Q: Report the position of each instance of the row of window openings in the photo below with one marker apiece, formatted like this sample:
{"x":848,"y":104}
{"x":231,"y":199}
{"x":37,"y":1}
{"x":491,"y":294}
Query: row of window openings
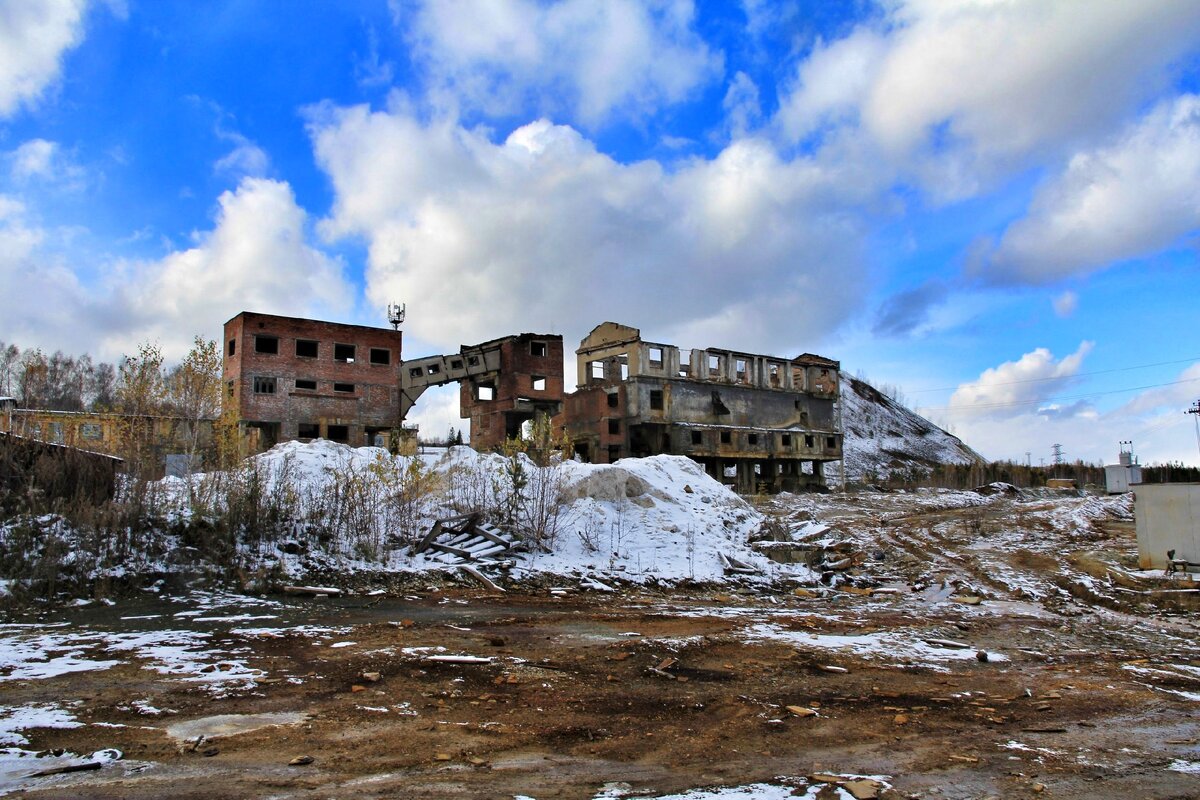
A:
{"x":785,"y":440}
{"x":270,"y":385}
{"x":307,"y":348}
{"x":487,"y":391}
{"x":715,"y":368}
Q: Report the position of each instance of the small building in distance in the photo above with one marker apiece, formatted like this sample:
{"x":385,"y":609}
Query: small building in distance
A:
{"x":291,"y":378}
{"x":759,"y":423}
{"x":1125,"y":474}
{"x":527,"y":382}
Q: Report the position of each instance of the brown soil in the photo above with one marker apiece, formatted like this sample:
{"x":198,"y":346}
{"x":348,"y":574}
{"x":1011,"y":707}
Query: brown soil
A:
{"x":1095,"y":699}
{"x":584,"y":707}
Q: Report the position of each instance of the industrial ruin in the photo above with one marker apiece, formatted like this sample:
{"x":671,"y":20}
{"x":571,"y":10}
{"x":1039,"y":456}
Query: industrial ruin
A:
{"x":760,"y":423}
{"x":756,"y":422}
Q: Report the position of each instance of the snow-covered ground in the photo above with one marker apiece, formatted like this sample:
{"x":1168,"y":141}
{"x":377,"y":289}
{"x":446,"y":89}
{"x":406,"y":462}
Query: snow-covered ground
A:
{"x":660,"y":518}
{"x":882,"y":436}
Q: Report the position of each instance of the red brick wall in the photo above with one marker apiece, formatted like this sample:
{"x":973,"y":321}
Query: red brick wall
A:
{"x":517,"y":367}
{"x":374,"y":401}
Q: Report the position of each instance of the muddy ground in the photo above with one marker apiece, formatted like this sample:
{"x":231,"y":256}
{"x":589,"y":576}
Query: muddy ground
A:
{"x":652,"y":692}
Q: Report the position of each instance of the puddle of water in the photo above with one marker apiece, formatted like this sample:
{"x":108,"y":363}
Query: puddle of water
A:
{"x":231,"y":724}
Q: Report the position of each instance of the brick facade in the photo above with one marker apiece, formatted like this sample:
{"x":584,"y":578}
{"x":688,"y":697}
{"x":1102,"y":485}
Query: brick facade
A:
{"x":291,"y":378}
{"x":529,"y":382}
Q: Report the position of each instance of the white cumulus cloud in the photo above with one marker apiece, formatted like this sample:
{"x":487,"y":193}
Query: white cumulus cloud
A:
{"x":482,"y":238}
{"x":975,"y":83}
{"x":1010,"y":388}
{"x":256,"y":257}
{"x":1131,"y":197}
{"x":591,"y":59}
{"x":34,"y":34}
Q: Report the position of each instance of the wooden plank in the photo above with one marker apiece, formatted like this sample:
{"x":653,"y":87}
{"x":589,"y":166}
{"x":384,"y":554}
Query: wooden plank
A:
{"x":479,"y":576}
{"x":494,"y":534}
{"x":434,"y":532}
{"x":454,"y":551}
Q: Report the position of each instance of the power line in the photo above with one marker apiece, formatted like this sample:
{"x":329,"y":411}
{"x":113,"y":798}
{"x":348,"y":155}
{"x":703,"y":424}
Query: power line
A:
{"x":1060,"y":377}
{"x":1015,"y":403}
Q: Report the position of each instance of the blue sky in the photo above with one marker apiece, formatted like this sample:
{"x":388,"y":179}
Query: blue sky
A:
{"x":992,"y":206}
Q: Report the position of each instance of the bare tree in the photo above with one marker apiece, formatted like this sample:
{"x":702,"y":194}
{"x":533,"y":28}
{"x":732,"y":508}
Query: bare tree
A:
{"x":10,"y":360}
{"x":194,"y":389}
{"x":102,"y":388}
{"x":31,"y":381}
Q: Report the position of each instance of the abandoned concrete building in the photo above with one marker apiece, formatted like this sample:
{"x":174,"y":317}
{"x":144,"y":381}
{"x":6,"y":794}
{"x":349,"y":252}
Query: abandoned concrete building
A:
{"x":756,"y":422}
{"x":291,"y":378}
{"x":759,"y":423}
{"x":504,"y":383}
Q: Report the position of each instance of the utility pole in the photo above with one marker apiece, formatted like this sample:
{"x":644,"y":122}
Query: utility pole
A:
{"x":1057,"y":450}
{"x":1195,"y":411}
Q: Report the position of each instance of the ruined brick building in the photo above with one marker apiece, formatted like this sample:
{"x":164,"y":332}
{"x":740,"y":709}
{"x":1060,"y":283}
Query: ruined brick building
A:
{"x":291,"y":378}
{"x":760,"y":423}
{"x":757,"y":422}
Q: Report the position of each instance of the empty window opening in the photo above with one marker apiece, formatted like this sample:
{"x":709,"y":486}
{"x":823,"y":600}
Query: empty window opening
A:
{"x":613,"y":399}
{"x":726,"y":437}
{"x":806,"y":468}
{"x":433,"y":369}
{"x":596,"y":370}
{"x":786,"y":440}
{"x":656,"y":357}
{"x":344,"y":387}
{"x":614,"y":426}
{"x":339,"y":433}
{"x":268,"y":345}
{"x":614,"y":453}
{"x":752,"y":438}
{"x":538,"y":382}
{"x":343,"y":352}
{"x":773,"y":375}
{"x":714,"y":366}
{"x":305,"y":383}
{"x":810,"y":441}
{"x":623,"y":360}
{"x":758,"y":469}
{"x":537,"y":349}
{"x":264,"y":385}
{"x":308,"y":430}
{"x":229,"y":388}
{"x":414,"y":372}
{"x":473,"y":361}
{"x":740,"y":365}
{"x":656,"y":400}
{"x":485,"y":391}
{"x":381,"y":355}
{"x":730,"y":472}
{"x":685,"y":363}
{"x":456,"y":364}
{"x":232,"y":346}
{"x":831,"y":442}
{"x":306,"y":348}
{"x":697,"y":437}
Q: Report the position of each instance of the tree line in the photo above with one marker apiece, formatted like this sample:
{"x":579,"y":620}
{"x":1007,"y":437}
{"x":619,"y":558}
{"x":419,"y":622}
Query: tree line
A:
{"x":141,"y":383}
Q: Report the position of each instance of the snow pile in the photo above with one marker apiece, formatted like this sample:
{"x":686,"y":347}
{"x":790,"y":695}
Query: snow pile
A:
{"x":882,"y":436}
{"x":657,"y":518}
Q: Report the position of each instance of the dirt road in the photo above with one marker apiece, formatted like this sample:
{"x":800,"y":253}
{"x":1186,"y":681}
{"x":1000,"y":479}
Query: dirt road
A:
{"x":453,"y":692}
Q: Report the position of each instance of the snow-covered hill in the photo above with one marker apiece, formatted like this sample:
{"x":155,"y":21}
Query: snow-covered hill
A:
{"x":882,"y":436}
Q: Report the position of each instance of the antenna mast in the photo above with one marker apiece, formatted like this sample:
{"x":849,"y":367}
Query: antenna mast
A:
{"x":395,"y":315}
